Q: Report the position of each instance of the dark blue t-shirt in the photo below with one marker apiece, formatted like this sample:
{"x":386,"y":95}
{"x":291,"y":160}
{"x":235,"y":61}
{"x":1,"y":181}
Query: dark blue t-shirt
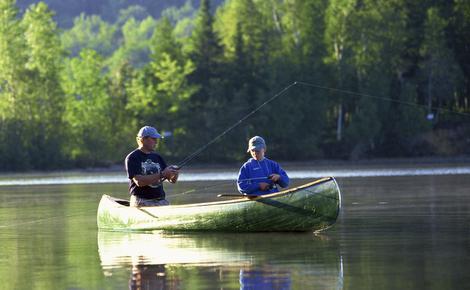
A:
{"x":140,"y":163}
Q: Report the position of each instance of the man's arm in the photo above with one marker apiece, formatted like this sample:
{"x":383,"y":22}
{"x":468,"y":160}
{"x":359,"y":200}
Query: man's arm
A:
{"x":167,"y":173}
{"x":280,"y":177}
{"x":244,"y":183}
{"x":144,"y":180}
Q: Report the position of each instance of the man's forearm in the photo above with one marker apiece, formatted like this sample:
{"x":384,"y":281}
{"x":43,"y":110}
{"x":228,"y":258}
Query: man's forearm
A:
{"x":144,"y":180}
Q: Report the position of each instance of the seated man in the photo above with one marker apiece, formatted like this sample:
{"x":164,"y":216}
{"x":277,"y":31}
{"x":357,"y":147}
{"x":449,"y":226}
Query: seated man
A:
{"x":147,"y":170}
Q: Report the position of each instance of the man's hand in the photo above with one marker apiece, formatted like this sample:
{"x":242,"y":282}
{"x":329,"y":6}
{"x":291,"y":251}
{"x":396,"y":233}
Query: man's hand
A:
{"x":174,"y":177}
{"x":171,"y":173}
{"x":263,"y":186}
{"x":274,"y":177}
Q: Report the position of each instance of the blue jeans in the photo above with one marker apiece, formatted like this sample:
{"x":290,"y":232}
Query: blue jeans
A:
{"x":138,"y":201}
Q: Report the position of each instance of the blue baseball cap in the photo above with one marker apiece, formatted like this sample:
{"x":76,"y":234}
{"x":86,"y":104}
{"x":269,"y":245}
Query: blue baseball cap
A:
{"x":148,"y":131}
{"x":256,"y":143}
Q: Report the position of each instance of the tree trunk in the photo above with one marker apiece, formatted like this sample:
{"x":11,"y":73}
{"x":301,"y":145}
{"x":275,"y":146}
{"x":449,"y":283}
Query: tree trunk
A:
{"x":339,"y":125}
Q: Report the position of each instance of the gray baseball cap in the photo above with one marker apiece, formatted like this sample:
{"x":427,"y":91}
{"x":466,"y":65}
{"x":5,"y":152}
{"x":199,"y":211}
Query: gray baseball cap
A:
{"x":256,"y":143}
{"x":148,"y":131}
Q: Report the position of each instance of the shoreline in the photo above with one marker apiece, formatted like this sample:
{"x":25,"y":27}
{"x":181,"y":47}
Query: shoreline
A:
{"x":314,"y":164}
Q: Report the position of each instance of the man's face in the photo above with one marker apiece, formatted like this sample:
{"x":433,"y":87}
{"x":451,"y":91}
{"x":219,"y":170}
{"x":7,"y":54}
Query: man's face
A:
{"x":257,"y":154}
{"x":149,"y":143}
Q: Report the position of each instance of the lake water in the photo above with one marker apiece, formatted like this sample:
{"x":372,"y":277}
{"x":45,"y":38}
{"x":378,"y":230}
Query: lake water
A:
{"x":401,"y":227}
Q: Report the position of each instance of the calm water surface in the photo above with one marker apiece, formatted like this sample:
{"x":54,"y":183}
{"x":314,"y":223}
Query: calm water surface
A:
{"x":400,"y":228}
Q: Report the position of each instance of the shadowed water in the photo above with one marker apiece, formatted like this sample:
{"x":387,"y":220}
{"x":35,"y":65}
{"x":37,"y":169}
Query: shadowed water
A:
{"x":406,"y":229}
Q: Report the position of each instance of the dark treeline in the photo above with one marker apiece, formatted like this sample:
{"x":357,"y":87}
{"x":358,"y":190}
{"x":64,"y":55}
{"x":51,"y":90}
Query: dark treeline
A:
{"x":76,"y":97}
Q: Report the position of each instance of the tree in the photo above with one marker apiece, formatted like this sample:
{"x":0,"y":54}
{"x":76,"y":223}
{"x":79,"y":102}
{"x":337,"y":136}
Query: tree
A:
{"x":30,"y":94}
{"x":295,"y":31}
{"x":205,"y":53}
{"x":90,"y":32}
{"x":121,"y":119}
{"x":13,"y":57}
{"x":86,"y":113}
{"x":440,"y":71}
{"x":135,"y":43}
{"x":245,"y":37}
{"x":12,"y":73}
{"x":44,"y":95}
{"x":457,"y":35}
{"x":164,"y":42}
{"x":136,"y":12}
{"x":160,"y":90}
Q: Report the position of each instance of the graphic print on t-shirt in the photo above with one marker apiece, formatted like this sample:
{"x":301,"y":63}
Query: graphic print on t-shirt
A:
{"x":150,"y":167}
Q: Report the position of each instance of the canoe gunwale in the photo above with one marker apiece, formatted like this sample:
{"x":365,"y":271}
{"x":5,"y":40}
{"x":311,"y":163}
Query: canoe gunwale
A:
{"x":242,"y":198}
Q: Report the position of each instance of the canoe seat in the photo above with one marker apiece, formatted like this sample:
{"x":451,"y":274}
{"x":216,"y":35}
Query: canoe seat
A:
{"x":122,"y":202}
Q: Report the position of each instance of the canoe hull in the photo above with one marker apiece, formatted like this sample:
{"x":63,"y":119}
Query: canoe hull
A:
{"x":314,"y":206}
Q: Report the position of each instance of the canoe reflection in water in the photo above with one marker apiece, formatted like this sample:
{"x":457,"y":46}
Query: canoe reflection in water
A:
{"x":215,"y":260}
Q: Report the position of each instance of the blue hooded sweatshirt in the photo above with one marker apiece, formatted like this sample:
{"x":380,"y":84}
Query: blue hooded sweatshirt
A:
{"x":253,"y":172}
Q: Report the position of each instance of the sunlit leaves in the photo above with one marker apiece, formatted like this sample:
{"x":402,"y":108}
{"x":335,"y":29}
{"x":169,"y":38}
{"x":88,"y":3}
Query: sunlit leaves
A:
{"x":88,"y":129}
{"x":173,"y":84}
{"x":89,"y":32}
{"x":135,"y":43}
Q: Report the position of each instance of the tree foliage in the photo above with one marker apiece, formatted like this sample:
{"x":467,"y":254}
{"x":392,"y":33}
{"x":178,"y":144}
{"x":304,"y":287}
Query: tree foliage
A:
{"x":77,"y":97}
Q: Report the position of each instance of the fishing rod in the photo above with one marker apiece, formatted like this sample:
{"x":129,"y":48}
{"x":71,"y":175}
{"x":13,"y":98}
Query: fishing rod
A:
{"x":193,"y":155}
{"x":202,"y":148}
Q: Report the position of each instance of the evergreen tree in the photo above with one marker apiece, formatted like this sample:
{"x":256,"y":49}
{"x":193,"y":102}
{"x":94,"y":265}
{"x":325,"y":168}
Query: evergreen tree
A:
{"x":205,"y":53}
{"x":164,"y":42}
{"x":244,"y":35}
{"x":297,"y":56}
{"x":160,"y":90}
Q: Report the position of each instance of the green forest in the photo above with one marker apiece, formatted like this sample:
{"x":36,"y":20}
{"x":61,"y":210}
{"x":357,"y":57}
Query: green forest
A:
{"x":386,"y":78}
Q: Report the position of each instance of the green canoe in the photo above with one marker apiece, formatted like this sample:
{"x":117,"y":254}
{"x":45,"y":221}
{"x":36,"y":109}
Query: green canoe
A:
{"x":310,"y":207}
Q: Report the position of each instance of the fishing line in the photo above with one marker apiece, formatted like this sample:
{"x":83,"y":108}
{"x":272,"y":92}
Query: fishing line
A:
{"x":193,"y":155}
{"x":383,"y":98}
{"x":202,"y":148}
{"x":201,"y":188}
{"x":216,"y":185}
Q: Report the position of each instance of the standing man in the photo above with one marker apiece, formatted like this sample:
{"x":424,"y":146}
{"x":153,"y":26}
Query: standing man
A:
{"x":147,"y":170}
{"x":259,"y":175}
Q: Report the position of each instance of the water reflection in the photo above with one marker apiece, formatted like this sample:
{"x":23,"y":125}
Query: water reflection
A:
{"x":149,"y":277}
{"x":232,"y":261}
{"x":264,"y":278}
